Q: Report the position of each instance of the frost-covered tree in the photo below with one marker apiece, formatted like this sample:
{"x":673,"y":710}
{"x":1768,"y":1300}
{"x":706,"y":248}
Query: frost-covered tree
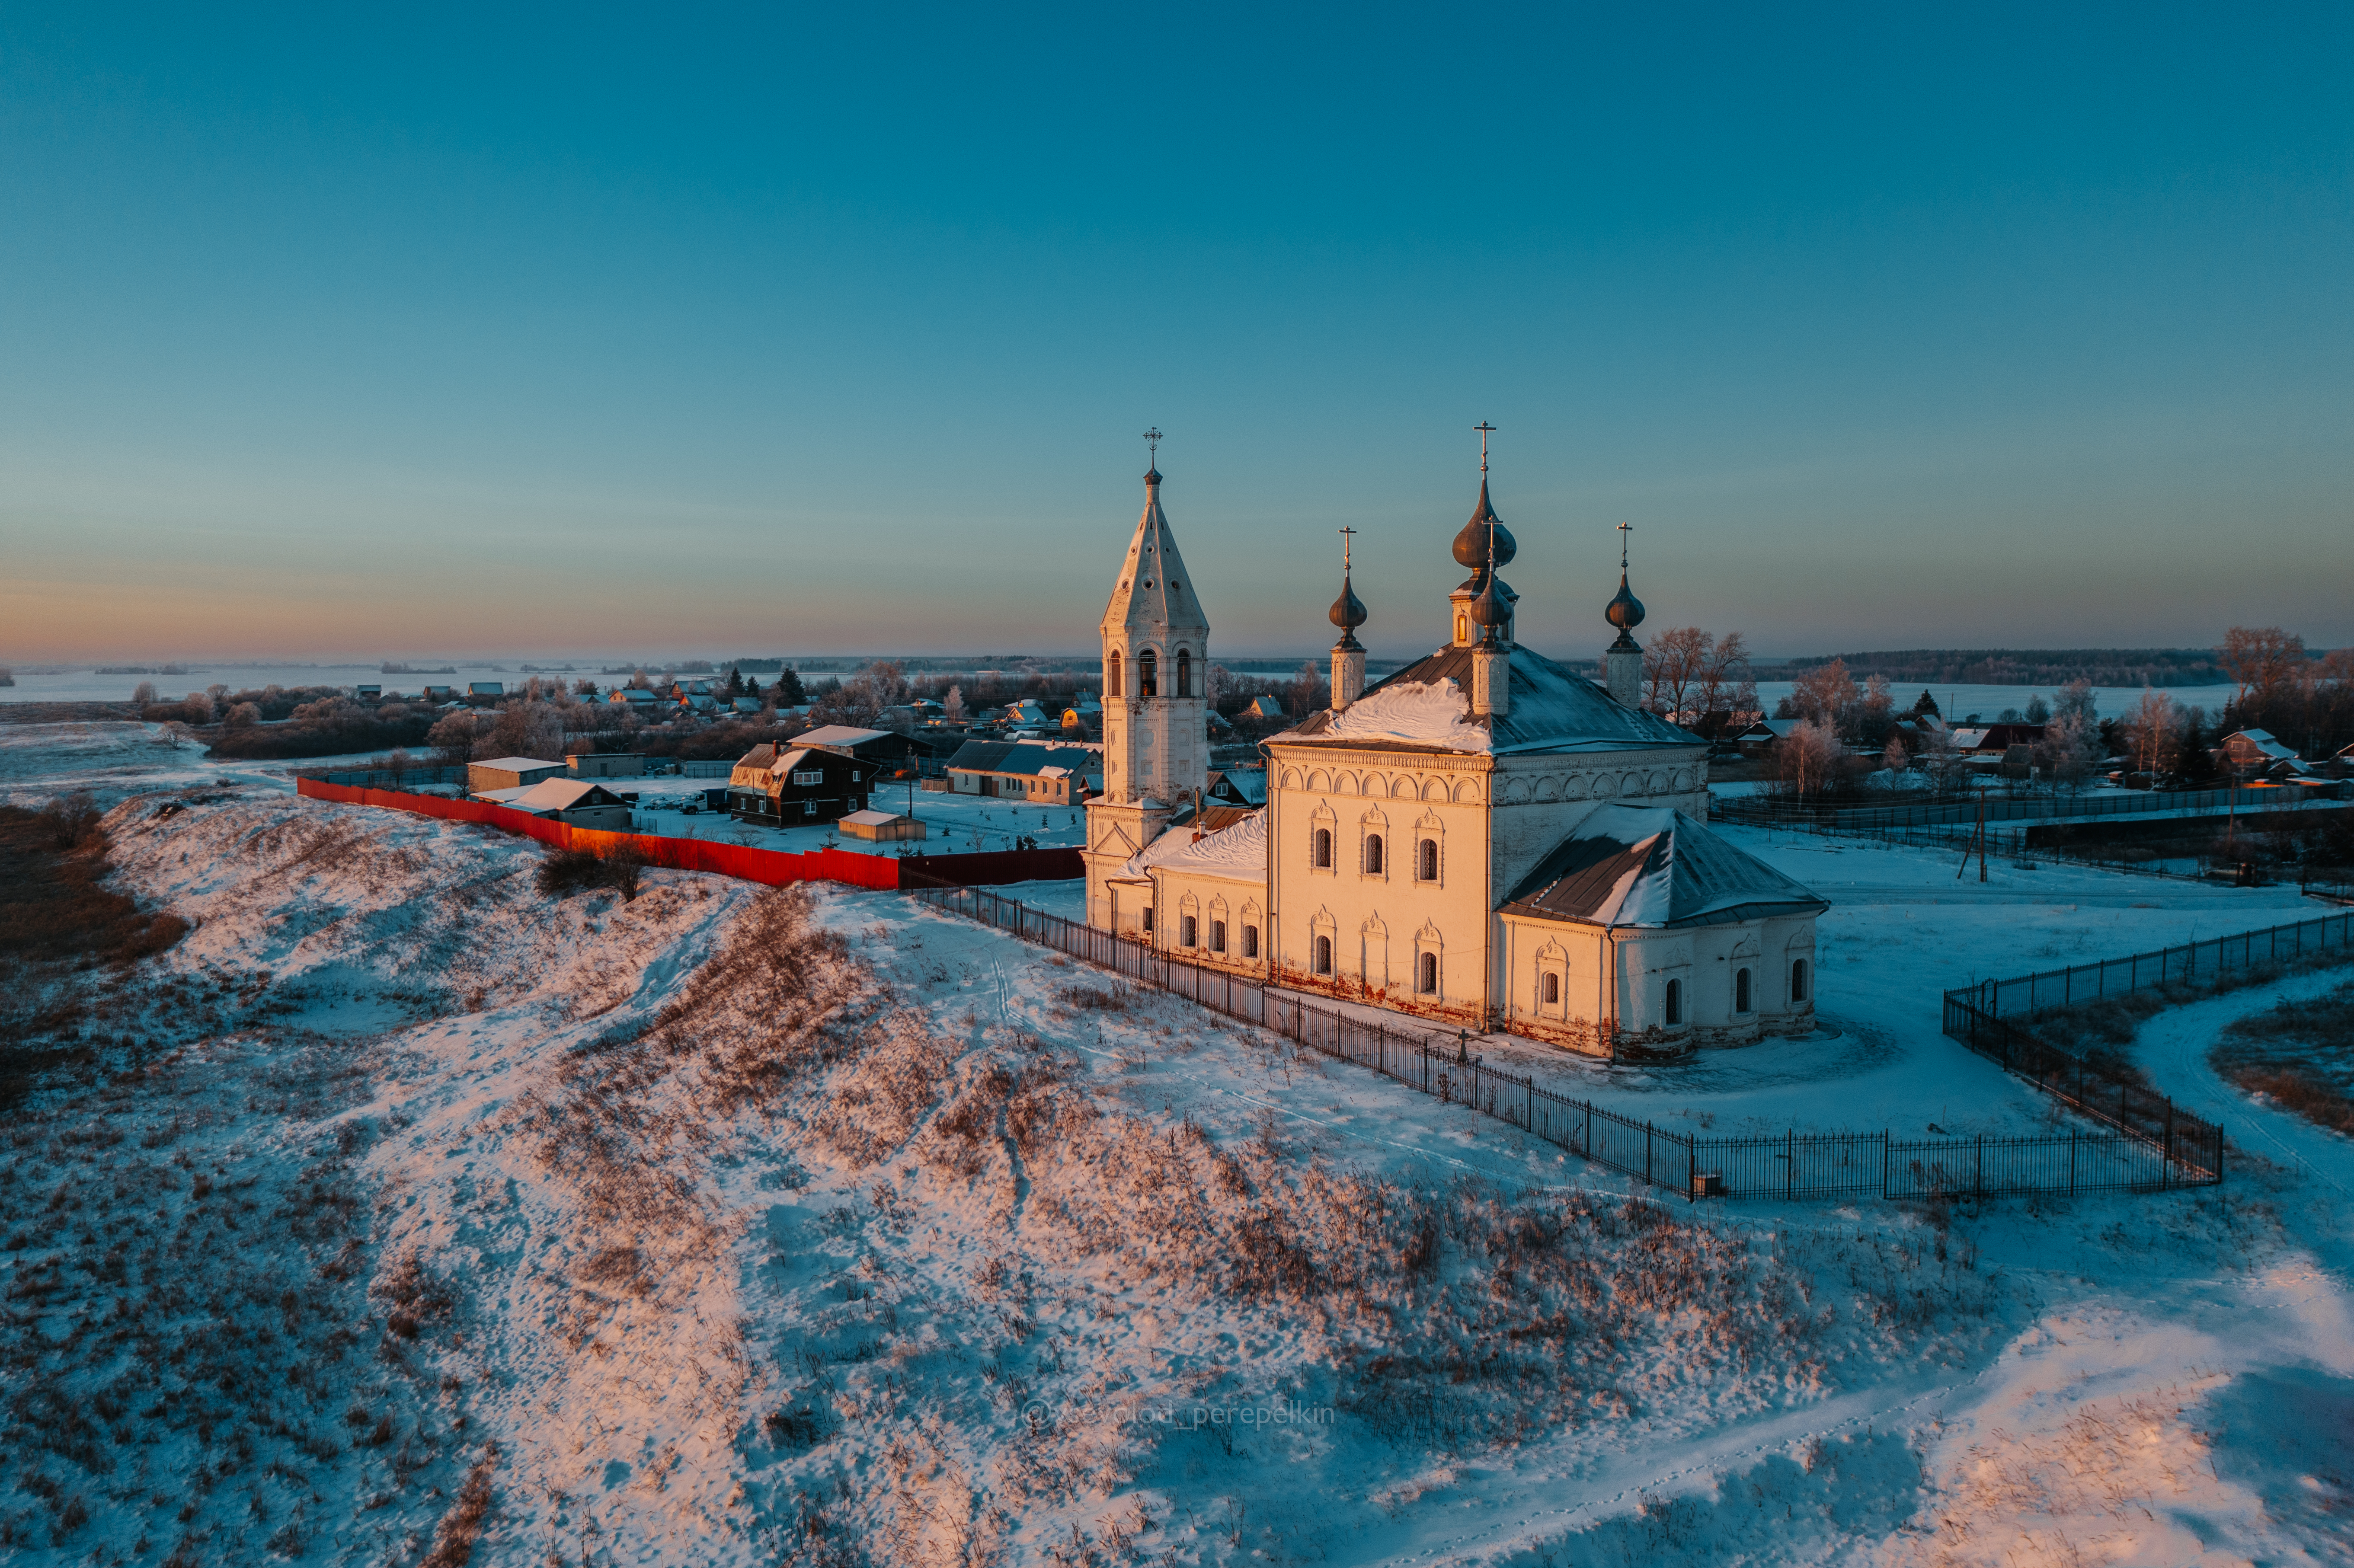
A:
{"x":145,"y":694}
{"x":1808,"y":758}
{"x":952,"y":707}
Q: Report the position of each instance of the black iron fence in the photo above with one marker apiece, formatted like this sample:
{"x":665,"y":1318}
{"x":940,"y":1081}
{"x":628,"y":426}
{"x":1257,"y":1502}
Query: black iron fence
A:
{"x":2192,"y":965}
{"x":1844,"y":1165}
{"x":2190,"y":1143}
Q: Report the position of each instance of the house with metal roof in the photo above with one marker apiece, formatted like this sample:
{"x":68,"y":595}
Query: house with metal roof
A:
{"x":787,"y":786}
{"x":1036,"y":773}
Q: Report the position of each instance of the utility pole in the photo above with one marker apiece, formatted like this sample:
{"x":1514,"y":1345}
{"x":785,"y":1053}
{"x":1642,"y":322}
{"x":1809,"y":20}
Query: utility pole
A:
{"x":1977,"y":841}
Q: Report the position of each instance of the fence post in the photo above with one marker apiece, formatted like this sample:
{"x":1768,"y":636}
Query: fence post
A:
{"x":1588,"y":1151}
{"x":1692,"y":1171}
{"x":2168,"y":1161}
{"x":1883,"y":1162}
{"x":1647,"y":1156}
{"x":1790,"y":1163}
{"x":1980,"y":1181}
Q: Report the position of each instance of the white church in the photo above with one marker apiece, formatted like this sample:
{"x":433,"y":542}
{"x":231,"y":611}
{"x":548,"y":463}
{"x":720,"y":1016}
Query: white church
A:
{"x":1484,"y":838}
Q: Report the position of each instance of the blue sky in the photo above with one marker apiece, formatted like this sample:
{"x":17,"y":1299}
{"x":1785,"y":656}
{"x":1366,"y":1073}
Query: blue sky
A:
{"x":569,"y":331}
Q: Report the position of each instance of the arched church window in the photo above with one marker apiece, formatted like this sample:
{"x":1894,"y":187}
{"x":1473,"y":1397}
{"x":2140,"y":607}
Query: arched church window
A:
{"x":1373,"y":855}
{"x":1250,"y":941}
{"x":1184,"y":673}
{"x":1320,"y":848}
{"x":1426,"y":976}
{"x":1798,"y":980}
{"x":1184,"y":930}
{"x":1741,"y":990}
{"x":1553,"y":990}
{"x":1675,"y":1002}
{"x":1148,"y":670}
{"x":1426,"y":861}
{"x":1323,"y":955}
{"x":1112,"y":688}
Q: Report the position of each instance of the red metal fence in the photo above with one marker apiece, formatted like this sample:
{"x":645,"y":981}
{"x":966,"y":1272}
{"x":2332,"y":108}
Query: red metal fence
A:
{"x":772,"y":868}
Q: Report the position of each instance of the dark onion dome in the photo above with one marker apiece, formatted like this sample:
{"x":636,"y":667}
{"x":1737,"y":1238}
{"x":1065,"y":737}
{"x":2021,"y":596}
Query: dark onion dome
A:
{"x":1487,"y":609}
{"x":1348,"y":610}
{"x":1472,"y":545}
{"x":1624,"y":611}
{"x":1153,"y":475}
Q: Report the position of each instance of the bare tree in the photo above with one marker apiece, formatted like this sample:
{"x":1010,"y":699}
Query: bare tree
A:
{"x":953,"y":708}
{"x":1724,"y":675}
{"x":1670,"y":664}
{"x":145,"y":694}
{"x":2263,"y":660}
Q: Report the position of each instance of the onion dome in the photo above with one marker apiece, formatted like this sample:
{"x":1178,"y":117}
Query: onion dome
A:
{"x":1472,"y":545}
{"x":1487,"y":610}
{"x":1153,"y":475}
{"x":1348,"y":610}
{"x":1624,"y":611}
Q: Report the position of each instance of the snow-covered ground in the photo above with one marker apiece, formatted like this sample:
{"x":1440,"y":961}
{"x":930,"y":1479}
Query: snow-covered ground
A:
{"x":729,"y":1226}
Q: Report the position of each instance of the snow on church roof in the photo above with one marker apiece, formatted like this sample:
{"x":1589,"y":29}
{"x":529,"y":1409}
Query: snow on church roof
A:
{"x":1239,"y":849}
{"x":1652,"y":865}
{"x":1426,"y":706}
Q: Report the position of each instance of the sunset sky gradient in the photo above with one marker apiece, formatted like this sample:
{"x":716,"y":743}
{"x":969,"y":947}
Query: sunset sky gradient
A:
{"x":475,"y":332}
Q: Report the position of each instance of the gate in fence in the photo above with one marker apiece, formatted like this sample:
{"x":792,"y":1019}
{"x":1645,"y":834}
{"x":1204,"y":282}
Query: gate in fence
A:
{"x":1794,"y":1166}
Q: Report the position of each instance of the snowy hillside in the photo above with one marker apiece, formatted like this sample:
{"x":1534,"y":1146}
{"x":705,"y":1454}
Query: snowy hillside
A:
{"x":727,"y":1225}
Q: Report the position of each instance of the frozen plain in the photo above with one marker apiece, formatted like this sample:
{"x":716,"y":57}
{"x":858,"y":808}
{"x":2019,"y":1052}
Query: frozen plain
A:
{"x":745,"y":1227}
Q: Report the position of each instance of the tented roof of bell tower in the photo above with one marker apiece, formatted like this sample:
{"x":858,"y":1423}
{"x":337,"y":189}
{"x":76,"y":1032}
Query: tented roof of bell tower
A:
{"x":1155,"y":591}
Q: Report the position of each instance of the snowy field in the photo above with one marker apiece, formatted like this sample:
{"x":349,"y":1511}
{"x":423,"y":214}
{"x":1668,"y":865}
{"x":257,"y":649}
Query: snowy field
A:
{"x":739,"y":1226}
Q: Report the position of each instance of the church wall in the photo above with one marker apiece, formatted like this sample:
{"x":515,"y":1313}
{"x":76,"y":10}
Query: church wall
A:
{"x":1542,"y":799}
{"x":1705,"y":960}
{"x":1381,"y":924}
{"x":1207,"y":899}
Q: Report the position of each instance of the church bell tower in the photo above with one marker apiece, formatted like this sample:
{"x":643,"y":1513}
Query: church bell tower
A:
{"x":1156,"y":671}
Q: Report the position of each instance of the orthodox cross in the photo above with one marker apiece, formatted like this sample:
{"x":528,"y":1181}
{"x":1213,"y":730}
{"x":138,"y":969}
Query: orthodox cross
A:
{"x":1624,"y":529}
{"x":1152,"y":447}
{"x":1345,"y":542}
{"x":1485,"y":429}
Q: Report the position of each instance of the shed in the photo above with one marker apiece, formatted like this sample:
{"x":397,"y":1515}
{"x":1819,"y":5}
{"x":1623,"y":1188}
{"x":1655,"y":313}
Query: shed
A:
{"x":368,"y":694}
{"x":510,"y":773}
{"x":606,"y":764}
{"x":883,"y":826}
{"x":485,"y":691}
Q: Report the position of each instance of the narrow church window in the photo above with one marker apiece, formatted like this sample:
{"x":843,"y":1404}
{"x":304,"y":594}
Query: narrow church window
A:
{"x":1553,"y":990}
{"x":1427,"y":854}
{"x":1373,"y":854}
{"x":1320,"y":849}
{"x":1147,"y":916}
{"x":1184,"y":673}
{"x":1798,"y":980}
{"x":1147,"y":669}
{"x":1741,"y":990}
{"x":1250,"y":941}
{"x":1323,"y":955}
{"x":1112,"y":688}
{"x":1184,"y":930}
{"x":1426,"y":976}
{"x":1675,"y":1002}
{"x":1217,"y":936}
